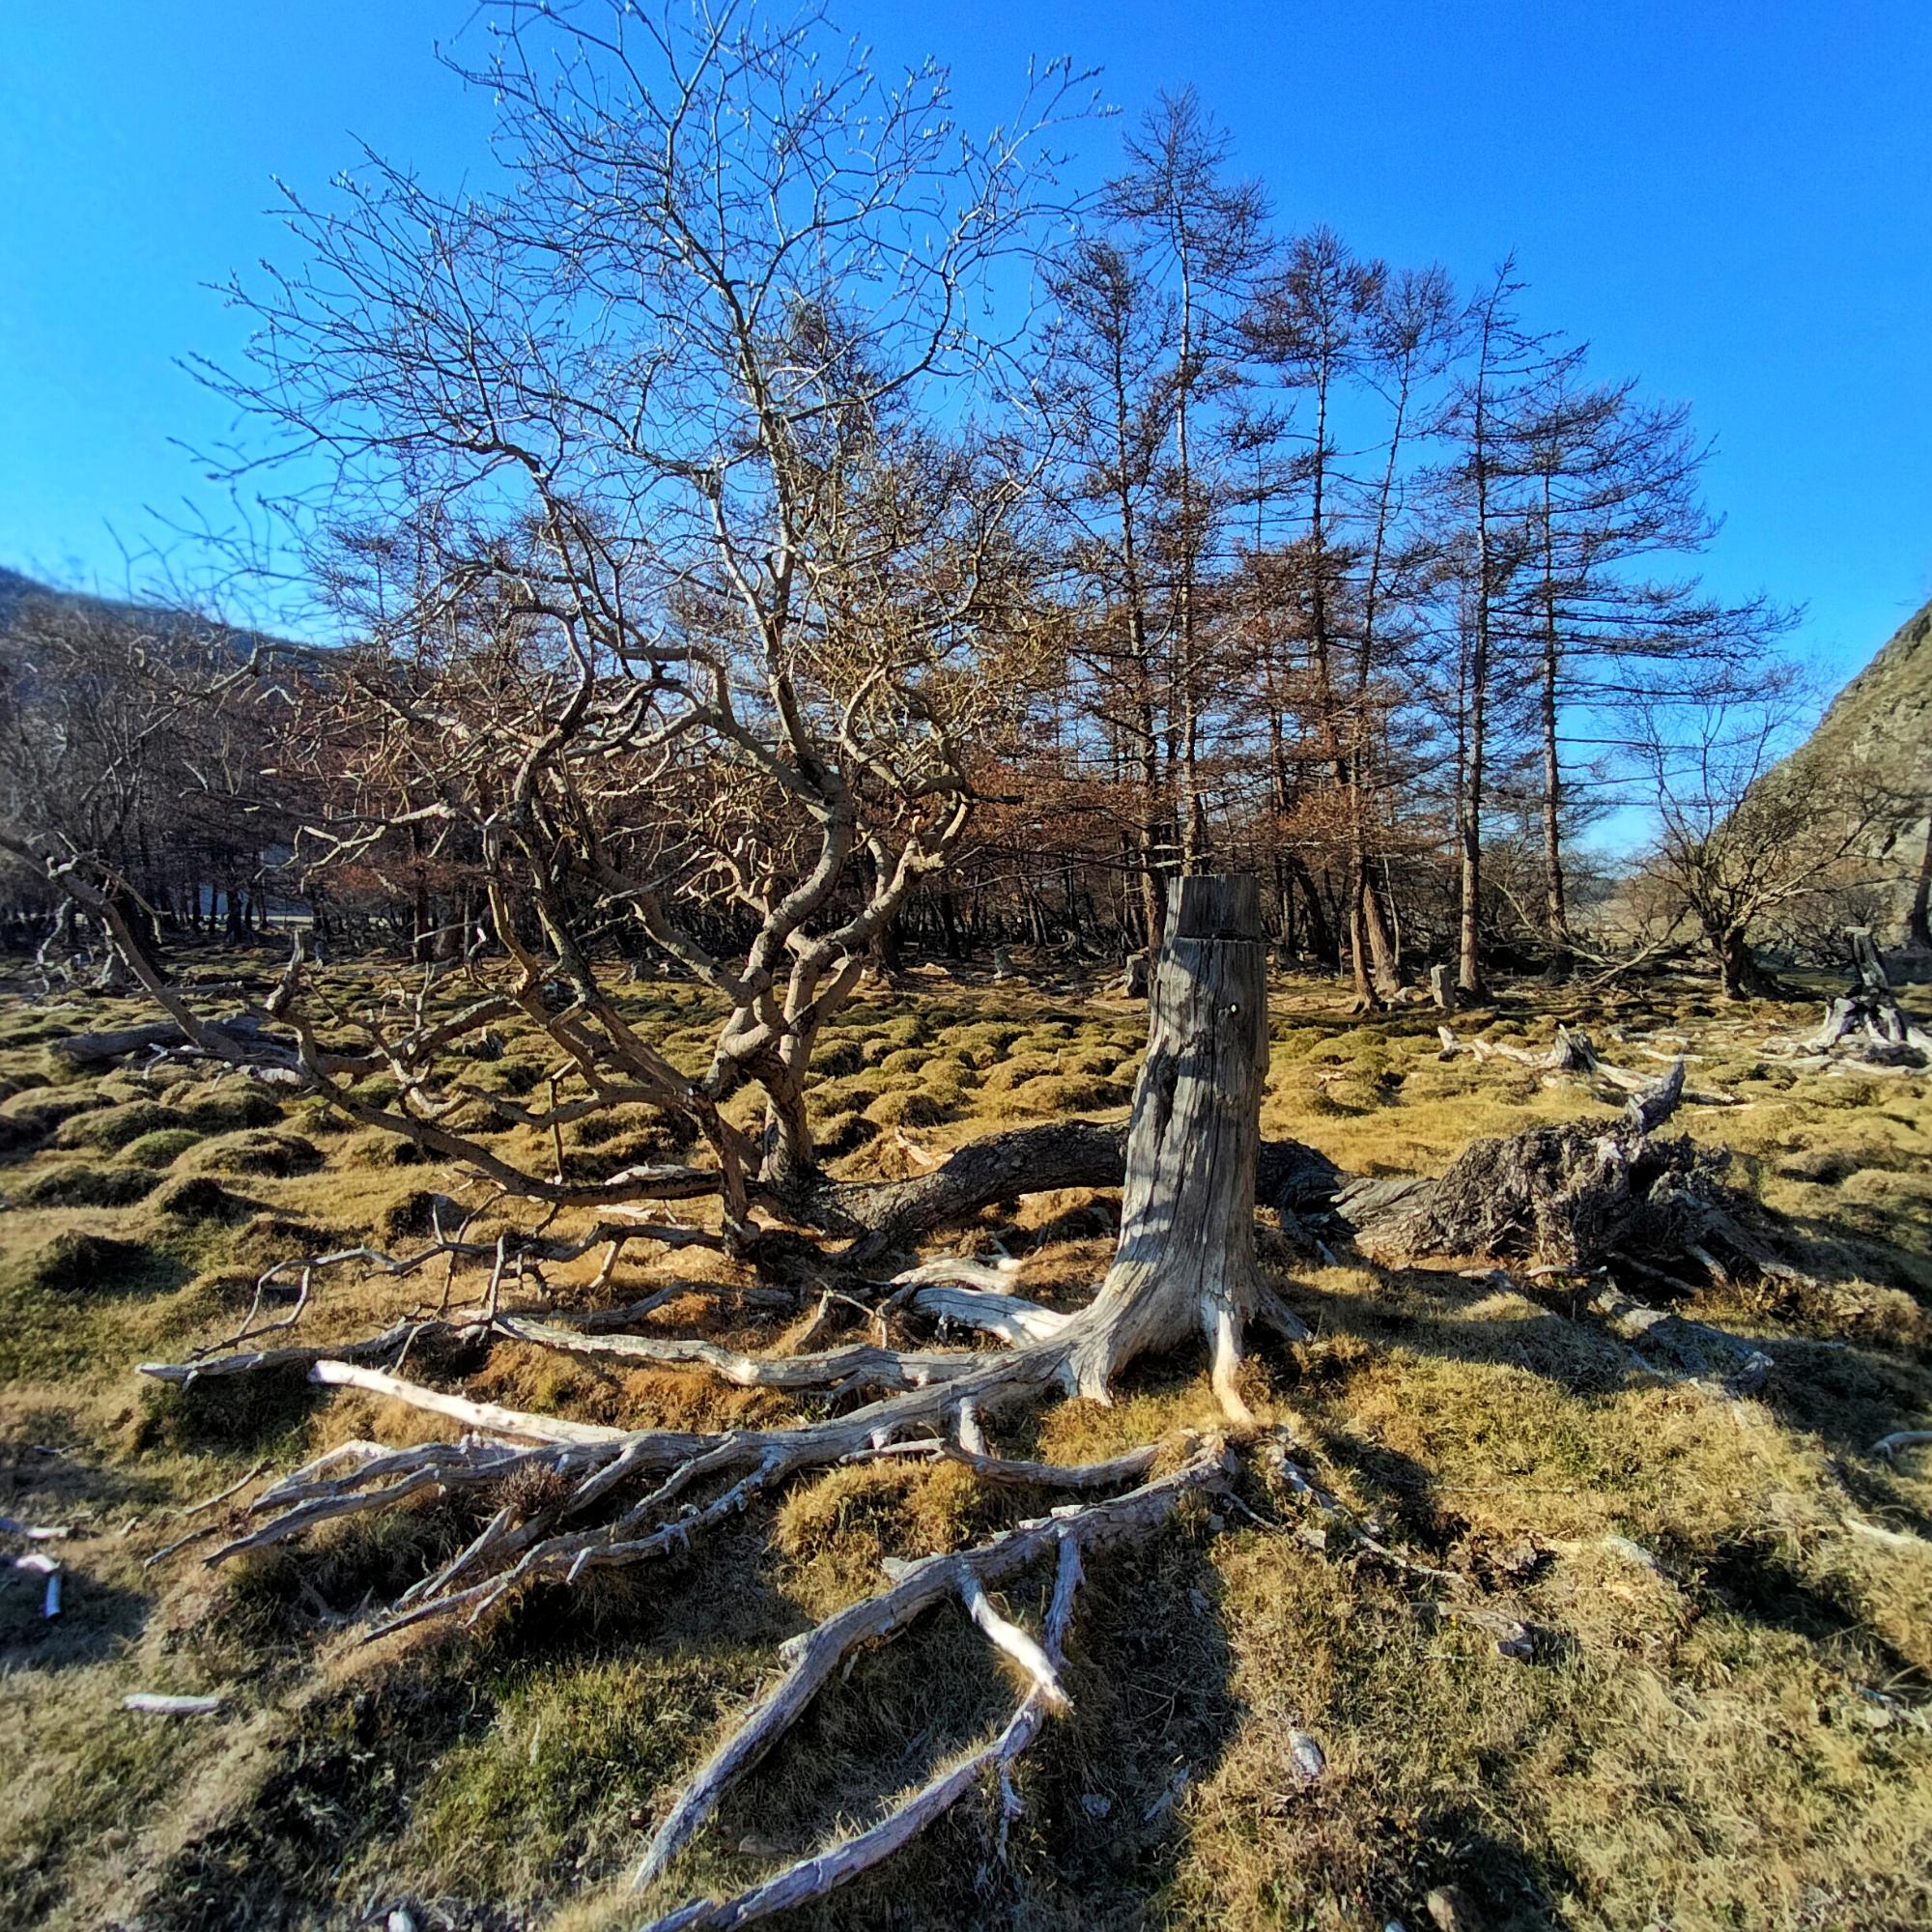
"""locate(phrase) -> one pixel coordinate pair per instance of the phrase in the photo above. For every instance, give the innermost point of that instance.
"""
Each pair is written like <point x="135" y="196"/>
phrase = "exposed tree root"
<point x="1070" y="1535"/>
<point x="1866" y="1025"/>
<point x="1582" y="1204"/>
<point x="1567" y="1195"/>
<point x="1574" y="1196"/>
<point x="557" y="1499"/>
<point x="552" y="1499"/>
<point x="1574" y="1053"/>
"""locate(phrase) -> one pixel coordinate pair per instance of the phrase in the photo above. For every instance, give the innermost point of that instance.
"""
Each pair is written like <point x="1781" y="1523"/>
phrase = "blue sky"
<point x="1732" y="201"/>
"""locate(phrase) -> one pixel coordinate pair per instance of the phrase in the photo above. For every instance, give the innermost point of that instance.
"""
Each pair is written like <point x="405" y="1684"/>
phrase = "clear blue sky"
<point x="1731" y="199"/>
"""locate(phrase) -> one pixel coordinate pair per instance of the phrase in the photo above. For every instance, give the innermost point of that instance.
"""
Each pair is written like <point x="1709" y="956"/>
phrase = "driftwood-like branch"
<point x="487" y="1416"/>
<point x="1573" y="1052"/>
<point x="393" y="1341"/>
<point x="1865" y="1025"/>
<point x="858" y="1365"/>
<point x="817" y="1656"/>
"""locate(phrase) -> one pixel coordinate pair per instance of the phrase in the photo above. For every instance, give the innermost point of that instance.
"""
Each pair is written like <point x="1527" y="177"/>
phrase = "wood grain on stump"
<point x="1185" y="1262"/>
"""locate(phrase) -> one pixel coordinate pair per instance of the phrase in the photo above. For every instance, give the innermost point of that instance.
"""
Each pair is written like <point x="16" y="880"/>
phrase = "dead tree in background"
<point x="1742" y="839"/>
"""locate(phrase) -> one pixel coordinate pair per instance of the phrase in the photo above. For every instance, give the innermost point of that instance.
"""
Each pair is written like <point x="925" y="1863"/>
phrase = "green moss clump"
<point x="1049" y="1094"/>
<point x="508" y="1076"/>
<point x="379" y="1148"/>
<point x="418" y="1215"/>
<point x="108" y="1128"/>
<point x="64" y="1305"/>
<point x="230" y="1107"/>
<point x="200" y="1197"/>
<point x="835" y="1057"/>
<point x="1015" y="1072"/>
<point x="844" y="1133"/>
<point x="904" y="1108"/>
<point x="76" y="1184"/>
<point x="259" y="1151"/>
<point x="72" y="1263"/>
<point x="160" y="1149"/>
<point x="39" y="1112"/>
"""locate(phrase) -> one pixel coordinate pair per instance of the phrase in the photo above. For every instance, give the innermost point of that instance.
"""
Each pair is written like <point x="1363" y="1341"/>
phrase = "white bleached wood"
<point x="484" y="1416"/>
<point x="157" y="1704"/>
<point x="34" y="1532"/>
<point x="819" y="1654"/>
<point x="1008" y="1636"/>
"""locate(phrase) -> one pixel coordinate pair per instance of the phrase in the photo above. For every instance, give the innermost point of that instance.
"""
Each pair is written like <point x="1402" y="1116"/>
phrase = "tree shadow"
<point x="1756" y="1581"/>
<point x="1511" y="1886"/>
<point x="1101" y="1827"/>
<point x="1847" y="1391"/>
<point x="95" y="1619"/>
<point x="97" y="1616"/>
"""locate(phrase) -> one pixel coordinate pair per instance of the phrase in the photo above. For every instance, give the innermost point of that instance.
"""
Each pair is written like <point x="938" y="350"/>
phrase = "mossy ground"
<point x="1735" y="1737"/>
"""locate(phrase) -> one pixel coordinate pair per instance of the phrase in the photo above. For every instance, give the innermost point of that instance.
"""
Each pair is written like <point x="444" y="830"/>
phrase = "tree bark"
<point x="1744" y="977"/>
<point x="1186" y="1256"/>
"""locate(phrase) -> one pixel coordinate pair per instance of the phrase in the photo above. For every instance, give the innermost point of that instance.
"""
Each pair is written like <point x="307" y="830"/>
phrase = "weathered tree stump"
<point x="1442" y="988"/>
<point x="1186" y="1255"/>
<point x="1134" y="977"/>
<point x="1867" y="1023"/>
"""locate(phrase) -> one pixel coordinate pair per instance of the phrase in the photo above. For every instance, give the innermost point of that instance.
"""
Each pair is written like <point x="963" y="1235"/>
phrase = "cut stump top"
<point x="1215" y="905"/>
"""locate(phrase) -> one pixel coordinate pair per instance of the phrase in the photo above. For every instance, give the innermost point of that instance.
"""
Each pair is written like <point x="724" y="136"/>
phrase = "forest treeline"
<point x="767" y="509"/>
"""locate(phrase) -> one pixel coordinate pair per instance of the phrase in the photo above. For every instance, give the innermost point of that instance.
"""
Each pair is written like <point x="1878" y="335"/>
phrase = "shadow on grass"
<point x="1847" y="1391"/>
<point x="97" y="1618"/>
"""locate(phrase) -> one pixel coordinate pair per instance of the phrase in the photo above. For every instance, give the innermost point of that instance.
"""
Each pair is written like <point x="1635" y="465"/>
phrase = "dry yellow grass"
<point x="1731" y="1733"/>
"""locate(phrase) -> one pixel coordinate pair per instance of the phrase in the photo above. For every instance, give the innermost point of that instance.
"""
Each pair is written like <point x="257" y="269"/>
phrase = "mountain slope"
<point x="1882" y="720"/>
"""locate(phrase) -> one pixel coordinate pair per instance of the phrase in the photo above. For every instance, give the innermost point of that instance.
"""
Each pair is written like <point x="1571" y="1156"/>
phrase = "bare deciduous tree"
<point x="1741" y="837"/>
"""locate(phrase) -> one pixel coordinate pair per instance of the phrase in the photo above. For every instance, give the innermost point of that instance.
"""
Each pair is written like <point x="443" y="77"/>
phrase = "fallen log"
<point x="883" y="1216"/>
<point x="84" y="1051"/>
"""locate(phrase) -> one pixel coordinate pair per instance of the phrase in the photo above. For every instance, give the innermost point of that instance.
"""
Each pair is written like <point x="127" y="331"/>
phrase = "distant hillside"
<point x="1884" y="718"/>
<point x="20" y="595"/>
<point x="1886" y="709"/>
<point x="16" y="592"/>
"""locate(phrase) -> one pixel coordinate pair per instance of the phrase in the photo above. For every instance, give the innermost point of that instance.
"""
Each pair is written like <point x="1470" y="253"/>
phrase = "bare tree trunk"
<point x="1743" y="977"/>
<point x="1186" y="1256"/>
<point x="1555" y="899"/>
<point x="1469" y="950"/>
<point x="1556" y="907"/>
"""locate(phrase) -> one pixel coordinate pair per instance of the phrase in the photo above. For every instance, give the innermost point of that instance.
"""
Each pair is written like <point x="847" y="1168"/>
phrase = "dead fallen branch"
<point x="34" y="1532"/>
<point x="1071" y="1536"/>
<point x="37" y="1565"/>
<point x="159" y="1704"/>
<point x="1864" y="1025"/>
<point x="1574" y="1053"/>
